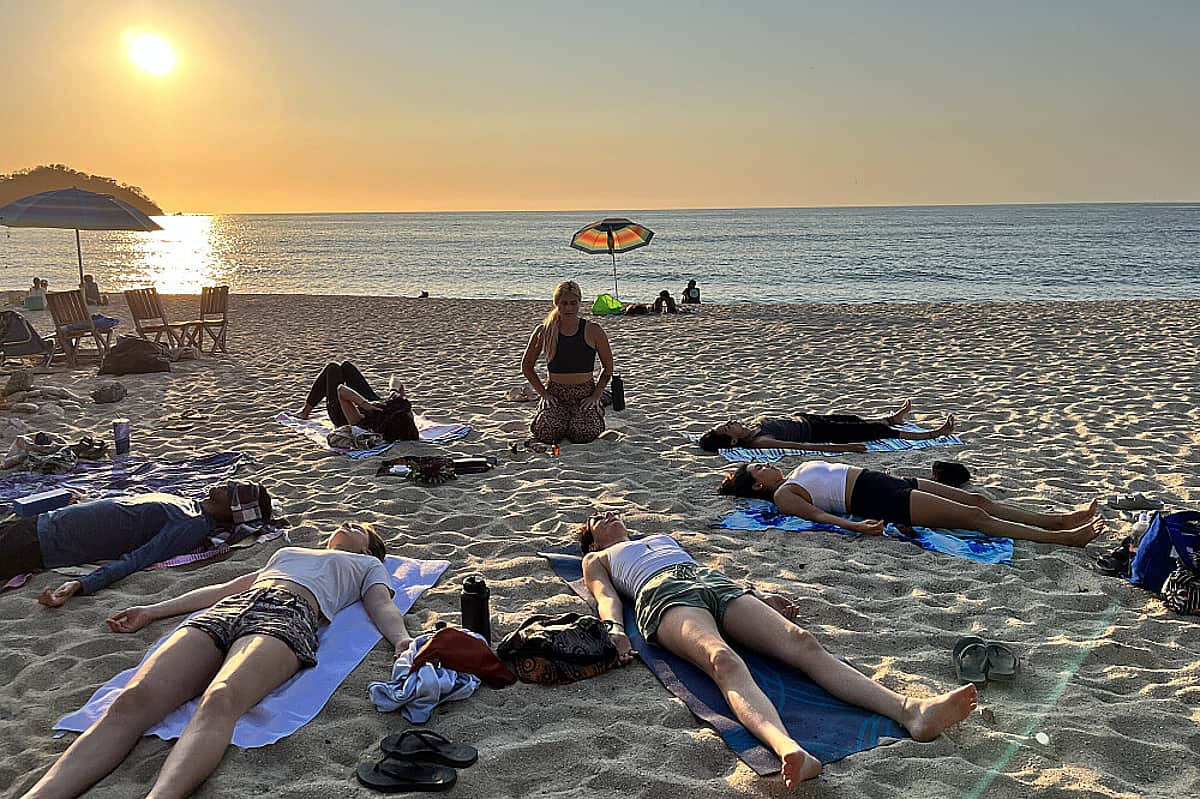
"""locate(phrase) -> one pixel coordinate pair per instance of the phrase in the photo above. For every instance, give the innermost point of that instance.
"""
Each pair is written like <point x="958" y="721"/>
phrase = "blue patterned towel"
<point x="828" y="728"/>
<point x="317" y="428"/>
<point x="188" y="478"/>
<point x="758" y="514"/>
<point x="744" y="455"/>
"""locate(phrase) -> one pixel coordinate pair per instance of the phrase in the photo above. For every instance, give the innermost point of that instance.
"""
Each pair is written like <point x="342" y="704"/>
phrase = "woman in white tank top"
<point x="827" y="492"/>
<point x="258" y="631"/>
<point x="695" y="612"/>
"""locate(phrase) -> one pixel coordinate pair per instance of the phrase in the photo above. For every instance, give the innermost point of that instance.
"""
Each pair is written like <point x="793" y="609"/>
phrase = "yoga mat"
<point x="828" y="728"/>
<point x="745" y="455"/>
<point x="317" y="427"/>
<point x="758" y="514"/>
<point x="341" y="646"/>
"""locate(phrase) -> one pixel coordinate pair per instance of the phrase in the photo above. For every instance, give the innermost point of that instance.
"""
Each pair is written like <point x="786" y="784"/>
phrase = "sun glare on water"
<point x="150" y="52"/>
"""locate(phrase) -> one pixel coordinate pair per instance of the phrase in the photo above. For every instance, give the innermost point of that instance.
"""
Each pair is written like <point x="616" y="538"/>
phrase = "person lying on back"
<point x="818" y="432"/>
<point x="130" y="532"/>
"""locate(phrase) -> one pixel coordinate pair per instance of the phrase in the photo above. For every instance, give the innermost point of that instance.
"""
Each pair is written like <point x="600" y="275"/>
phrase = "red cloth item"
<point x="464" y="652"/>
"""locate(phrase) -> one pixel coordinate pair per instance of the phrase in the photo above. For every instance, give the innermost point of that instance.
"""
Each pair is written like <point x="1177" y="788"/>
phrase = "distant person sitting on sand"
<point x="45" y="284"/>
<point x="824" y="432"/>
<point x="826" y="493"/>
<point x="91" y="291"/>
<point x="349" y="399"/>
<point x="665" y="303"/>
<point x="130" y="532"/>
<point x="695" y="612"/>
<point x="570" y="408"/>
<point x="691" y="294"/>
<point x="255" y="633"/>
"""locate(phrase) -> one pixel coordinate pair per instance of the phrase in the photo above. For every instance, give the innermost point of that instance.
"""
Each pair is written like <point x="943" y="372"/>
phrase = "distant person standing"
<point x="35" y="297"/>
<point x="691" y="294"/>
<point x="91" y="291"/>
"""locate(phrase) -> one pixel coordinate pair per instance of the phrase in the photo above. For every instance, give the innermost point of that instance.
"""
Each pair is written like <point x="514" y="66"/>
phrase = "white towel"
<point x="342" y="645"/>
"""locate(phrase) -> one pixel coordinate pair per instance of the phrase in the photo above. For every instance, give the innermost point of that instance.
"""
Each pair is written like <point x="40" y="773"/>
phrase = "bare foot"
<point x="1080" y="536"/>
<point x="897" y="418"/>
<point x="947" y="427"/>
<point x="1081" y="516"/>
<point x="305" y="412"/>
<point x="799" y="766"/>
<point x="925" y="719"/>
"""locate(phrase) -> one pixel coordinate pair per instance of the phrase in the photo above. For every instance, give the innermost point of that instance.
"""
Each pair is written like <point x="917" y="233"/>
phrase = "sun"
<point x="151" y="53"/>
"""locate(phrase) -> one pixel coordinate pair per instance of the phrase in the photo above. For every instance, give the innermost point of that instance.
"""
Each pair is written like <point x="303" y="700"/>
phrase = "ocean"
<point x="797" y="255"/>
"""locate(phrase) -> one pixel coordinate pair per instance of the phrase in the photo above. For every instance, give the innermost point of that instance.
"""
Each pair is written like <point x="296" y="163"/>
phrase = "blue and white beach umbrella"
<point x="75" y="209"/>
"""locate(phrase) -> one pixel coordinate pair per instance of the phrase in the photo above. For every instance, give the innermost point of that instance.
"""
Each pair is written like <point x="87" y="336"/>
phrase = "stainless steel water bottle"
<point x="618" y="393"/>
<point x="474" y="603"/>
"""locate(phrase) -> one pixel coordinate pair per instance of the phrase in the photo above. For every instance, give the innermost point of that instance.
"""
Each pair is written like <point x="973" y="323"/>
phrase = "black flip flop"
<point x="426" y="746"/>
<point x="971" y="659"/>
<point x="393" y="775"/>
<point x="1002" y="662"/>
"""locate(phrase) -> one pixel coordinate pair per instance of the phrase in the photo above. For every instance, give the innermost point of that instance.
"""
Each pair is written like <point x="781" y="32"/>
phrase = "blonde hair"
<point x="550" y="323"/>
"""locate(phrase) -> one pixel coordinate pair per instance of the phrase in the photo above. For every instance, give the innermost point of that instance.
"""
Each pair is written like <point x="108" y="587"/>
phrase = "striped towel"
<point x="746" y="455"/>
<point x="317" y="427"/>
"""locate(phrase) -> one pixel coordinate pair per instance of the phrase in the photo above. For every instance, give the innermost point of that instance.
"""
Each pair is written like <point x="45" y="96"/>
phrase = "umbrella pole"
<point x="614" y="259"/>
<point x="79" y="255"/>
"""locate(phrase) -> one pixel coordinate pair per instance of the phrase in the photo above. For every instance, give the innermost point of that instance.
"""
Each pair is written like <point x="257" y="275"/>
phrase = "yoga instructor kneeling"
<point x="694" y="612"/>
<point x="258" y="631"/>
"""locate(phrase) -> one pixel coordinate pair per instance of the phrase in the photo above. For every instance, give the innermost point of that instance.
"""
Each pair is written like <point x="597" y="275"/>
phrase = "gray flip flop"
<point x="970" y="655"/>
<point x="1002" y="662"/>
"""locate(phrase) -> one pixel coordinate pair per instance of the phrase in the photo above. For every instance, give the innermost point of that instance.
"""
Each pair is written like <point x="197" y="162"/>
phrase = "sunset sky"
<point x="356" y="106"/>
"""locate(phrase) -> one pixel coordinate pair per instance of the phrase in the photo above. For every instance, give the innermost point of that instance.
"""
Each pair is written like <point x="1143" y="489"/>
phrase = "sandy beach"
<point x="1058" y="403"/>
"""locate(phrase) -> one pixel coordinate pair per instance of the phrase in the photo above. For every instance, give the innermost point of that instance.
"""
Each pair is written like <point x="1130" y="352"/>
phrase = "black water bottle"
<point x="618" y="393"/>
<point x="474" y="604"/>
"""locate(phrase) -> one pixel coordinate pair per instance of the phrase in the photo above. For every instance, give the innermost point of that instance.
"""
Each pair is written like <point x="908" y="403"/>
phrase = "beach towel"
<point x="758" y="514"/>
<point x="317" y="427"/>
<point x="828" y="728"/>
<point x="746" y="455"/>
<point x="341" y="646"/>
<point x="190" y="477"/>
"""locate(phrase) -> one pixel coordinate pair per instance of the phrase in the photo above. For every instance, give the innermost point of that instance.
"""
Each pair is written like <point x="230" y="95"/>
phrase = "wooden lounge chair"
<point x="149" y="320"/>
<point x="73" y="323"/>
<point x="213" y="321"/>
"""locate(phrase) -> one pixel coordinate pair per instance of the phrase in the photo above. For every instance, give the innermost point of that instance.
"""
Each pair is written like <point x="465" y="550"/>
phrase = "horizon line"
<point x="686" y="208"/>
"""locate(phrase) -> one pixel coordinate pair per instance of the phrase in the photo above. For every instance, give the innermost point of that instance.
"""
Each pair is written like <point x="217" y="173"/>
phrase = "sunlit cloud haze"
<point x="307" y="106"/>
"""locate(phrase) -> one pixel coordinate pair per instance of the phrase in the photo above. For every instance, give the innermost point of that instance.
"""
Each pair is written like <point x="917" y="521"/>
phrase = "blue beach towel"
<point x="828" y="728"/>
<point x="745" y="455"/>
<point x="758" y="514"/>
<point x="188" y="478"/>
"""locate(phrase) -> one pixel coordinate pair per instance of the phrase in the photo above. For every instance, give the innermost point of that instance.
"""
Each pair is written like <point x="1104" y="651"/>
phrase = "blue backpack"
<point x="1152" y="563"/>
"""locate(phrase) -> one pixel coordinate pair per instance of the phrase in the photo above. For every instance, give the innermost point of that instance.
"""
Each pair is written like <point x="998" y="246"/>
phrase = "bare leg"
<point x="752" y="622"/>
<point x="179" y="670"/>
<point x="932" y="510"/>
<point x="350" y="402"/>
<point x="255" y="666"/>
<point x="692" y="634"/>
<point x="1047" y="521"/>
<point x="897" y="418"/>
<point x="945" y="429"/>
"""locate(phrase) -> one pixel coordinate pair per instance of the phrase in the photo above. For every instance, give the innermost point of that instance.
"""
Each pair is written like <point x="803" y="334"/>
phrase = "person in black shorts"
<point x="838" y="432"/>
<point x="826" y="492"/>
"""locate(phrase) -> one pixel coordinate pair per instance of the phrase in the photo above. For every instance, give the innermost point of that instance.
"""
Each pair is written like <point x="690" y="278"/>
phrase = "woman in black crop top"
<point x="570" y="408"/>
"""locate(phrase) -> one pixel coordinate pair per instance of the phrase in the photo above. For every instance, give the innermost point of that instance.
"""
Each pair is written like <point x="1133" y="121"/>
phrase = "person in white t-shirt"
<point x="258" y="631"/>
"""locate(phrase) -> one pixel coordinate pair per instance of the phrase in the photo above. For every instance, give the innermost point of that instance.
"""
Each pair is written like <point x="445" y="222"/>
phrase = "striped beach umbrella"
<point x="612" y="235"/>
<point x="75" y="209"/>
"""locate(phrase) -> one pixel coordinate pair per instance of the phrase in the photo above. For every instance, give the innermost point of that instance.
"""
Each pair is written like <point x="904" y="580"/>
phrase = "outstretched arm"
<point x="599" y="340"/>
<point x="766" y="442"/>
<point x="135" y="618"/>
<point x="387" y="617"/>
<point x="529" y="364"/>
<point x="608" y="604"/>
<point x="789" y="500"/>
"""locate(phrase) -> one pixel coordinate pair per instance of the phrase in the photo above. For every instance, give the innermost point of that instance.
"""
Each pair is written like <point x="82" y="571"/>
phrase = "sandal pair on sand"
<point x="416" y="760"/>
<point x="1133" y="502"/>
<point x="977" y="660"/>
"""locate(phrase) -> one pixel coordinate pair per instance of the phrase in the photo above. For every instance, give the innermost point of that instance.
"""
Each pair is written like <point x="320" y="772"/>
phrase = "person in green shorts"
<point x="694" y="612"/>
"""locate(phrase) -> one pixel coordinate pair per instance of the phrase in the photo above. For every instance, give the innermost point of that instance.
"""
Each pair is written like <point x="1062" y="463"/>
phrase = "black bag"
<point x="134" y="356"/>
<point x="554" y="650"/>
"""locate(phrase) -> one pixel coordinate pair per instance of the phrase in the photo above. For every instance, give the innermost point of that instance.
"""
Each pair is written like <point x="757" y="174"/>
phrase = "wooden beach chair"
<point x="213" y="321"/>
<point x="148" y="319"/>
<point x="73" y="323"/>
